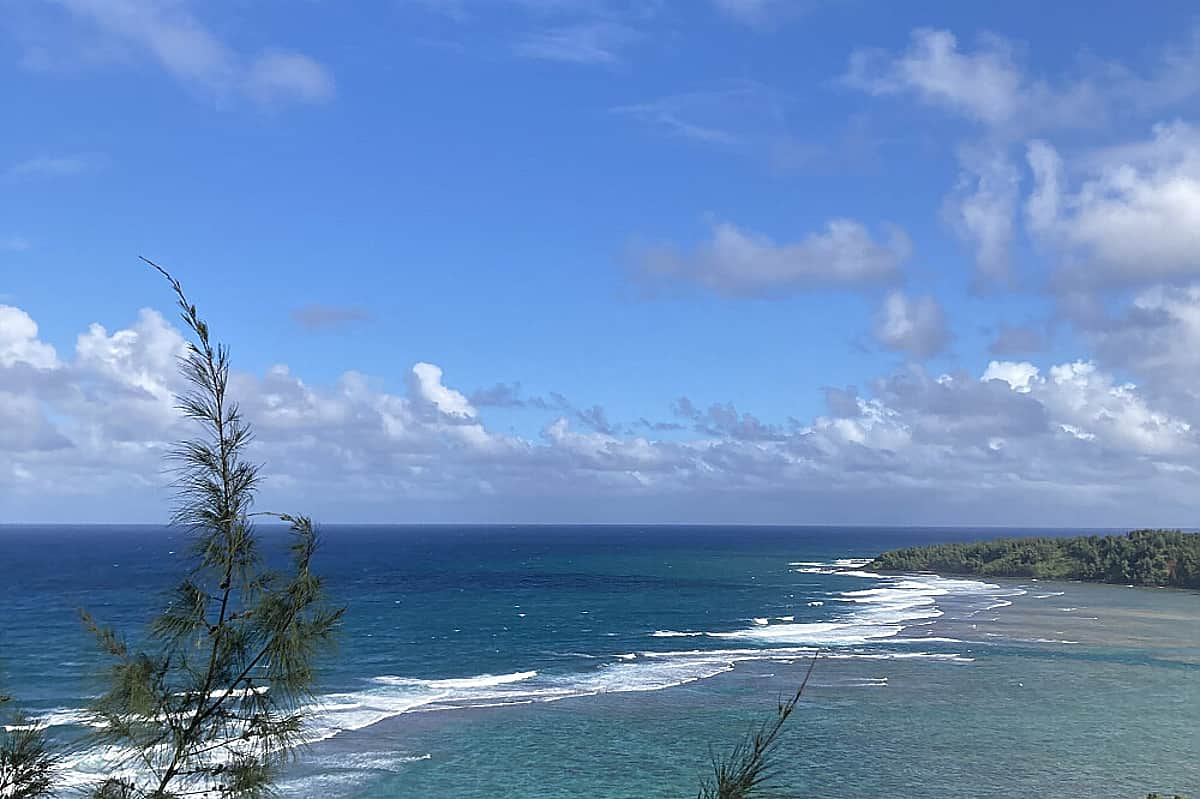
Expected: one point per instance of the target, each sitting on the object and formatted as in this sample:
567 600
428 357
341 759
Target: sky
607 261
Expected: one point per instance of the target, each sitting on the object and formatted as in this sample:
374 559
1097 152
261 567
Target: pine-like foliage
749 770
214 702
27 765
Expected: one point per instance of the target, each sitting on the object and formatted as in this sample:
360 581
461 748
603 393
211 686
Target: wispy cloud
915 325
757 122
736 114
52 166
583 32
600 43
763 14
319 317
14 244
169 34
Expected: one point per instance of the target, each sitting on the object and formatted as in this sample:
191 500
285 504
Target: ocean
613 661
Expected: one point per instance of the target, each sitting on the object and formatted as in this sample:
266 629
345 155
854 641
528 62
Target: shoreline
1040 580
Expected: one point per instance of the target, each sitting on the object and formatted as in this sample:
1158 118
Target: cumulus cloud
915 325
986 85
1133 215
1017 375
428 387
88 430
722 420
983 209
736 262
19 341
1157 338
173 37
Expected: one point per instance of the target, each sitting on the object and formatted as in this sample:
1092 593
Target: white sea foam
881 611
870 619
831 633
388 696
854 682
846 567
948 657
1049 594
481 681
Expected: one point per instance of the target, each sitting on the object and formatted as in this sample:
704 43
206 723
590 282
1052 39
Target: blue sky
640 241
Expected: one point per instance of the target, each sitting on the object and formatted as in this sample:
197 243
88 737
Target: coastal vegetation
27 764
1142 557
213 702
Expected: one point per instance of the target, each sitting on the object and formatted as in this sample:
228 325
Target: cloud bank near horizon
1016 442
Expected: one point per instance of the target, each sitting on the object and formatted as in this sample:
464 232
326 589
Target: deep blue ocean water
606 661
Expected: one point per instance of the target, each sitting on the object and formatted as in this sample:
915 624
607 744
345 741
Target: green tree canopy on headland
1142 557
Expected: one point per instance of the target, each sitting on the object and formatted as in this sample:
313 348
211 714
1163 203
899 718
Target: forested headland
1142 557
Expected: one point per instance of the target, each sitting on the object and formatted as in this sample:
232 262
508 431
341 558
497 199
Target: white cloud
51 166
14 244
760 13
172 36
90 432
597 42
731 115
1156 338
1018 375
986 86
584 32
1134 216
983 209
429 387
1093 405
738 262
280 76
142 358
1042 207
19 341
916 325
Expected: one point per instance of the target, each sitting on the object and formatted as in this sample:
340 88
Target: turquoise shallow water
544 662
